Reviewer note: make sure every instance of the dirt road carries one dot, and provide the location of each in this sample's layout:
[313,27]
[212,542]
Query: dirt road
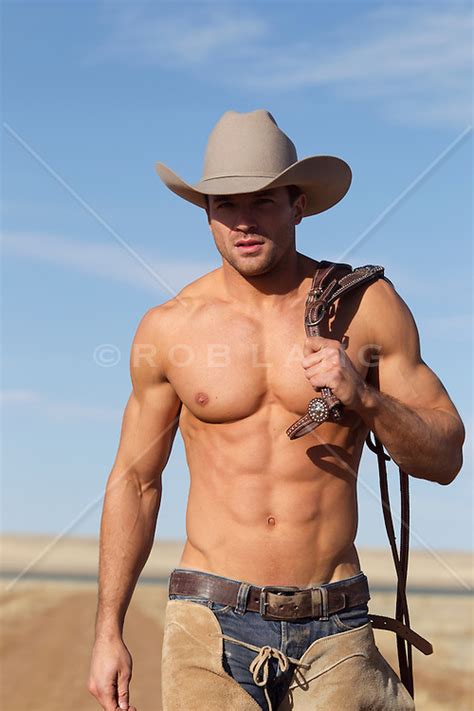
[46,646]
[47,634]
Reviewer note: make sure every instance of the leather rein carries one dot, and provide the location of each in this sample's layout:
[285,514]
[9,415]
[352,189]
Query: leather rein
[332,280]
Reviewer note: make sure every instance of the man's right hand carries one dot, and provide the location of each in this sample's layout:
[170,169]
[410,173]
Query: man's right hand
[131,504]
[110,674]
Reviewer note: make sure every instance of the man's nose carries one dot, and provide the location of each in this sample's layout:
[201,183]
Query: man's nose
[245,221]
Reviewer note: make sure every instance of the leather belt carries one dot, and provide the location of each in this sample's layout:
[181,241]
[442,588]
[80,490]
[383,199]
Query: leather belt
[276,603]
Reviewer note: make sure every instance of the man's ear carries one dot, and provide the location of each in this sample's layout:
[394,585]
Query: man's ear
[207,211]
[299,207]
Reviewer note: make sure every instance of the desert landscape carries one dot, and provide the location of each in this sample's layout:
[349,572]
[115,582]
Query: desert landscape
[48,604]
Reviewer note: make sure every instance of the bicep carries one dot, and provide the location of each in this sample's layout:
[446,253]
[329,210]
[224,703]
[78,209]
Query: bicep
[412,383]
[400,370]
[150,419]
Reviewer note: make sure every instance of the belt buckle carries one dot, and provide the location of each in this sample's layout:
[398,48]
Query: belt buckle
[263,604]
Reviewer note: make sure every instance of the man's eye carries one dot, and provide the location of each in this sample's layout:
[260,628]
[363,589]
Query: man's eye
[268,200]
[224,204]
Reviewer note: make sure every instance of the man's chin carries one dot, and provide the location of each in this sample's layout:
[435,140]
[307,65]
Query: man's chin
[252,268]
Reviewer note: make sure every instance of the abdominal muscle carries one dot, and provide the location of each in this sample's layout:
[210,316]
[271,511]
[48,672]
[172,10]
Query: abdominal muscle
[268,513]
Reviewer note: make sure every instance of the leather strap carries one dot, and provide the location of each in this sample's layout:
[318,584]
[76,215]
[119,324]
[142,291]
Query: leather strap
[388,623]
[278,603]
[400,560]
[331,280]
[326,287]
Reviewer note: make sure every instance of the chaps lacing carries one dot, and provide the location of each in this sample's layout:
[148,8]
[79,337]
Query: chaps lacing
[259,666]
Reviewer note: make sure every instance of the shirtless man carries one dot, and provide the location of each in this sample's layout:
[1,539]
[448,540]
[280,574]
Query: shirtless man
[227,361]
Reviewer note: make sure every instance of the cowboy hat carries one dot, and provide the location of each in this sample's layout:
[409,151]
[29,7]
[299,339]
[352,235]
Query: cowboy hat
[247,152]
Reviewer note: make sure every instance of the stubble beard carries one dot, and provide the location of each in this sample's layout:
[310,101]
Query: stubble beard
[262,263]
[253,265]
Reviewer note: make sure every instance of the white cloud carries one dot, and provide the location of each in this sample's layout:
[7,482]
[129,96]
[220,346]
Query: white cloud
[399,46]
[36,401]
[70,410]
[184,36]
[414,62]
[108,261]
[19,397]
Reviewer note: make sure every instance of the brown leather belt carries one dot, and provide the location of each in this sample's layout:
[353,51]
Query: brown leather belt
[275,603]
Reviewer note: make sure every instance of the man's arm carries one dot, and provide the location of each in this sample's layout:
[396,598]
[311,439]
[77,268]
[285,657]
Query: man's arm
[131,505]
[402,401]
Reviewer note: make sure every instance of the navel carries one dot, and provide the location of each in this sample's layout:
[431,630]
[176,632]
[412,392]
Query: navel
[202,399]
[271,521]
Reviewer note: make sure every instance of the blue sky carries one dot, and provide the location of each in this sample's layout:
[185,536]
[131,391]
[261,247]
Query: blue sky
[94,93]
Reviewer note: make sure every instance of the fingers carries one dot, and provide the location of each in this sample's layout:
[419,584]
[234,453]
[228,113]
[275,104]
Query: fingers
[124,678]
[111,698]
[106,697]
[313,344]
[122,694]
[322,370]
[110,674]
[312,359]
[108,700]
[328,357]
[317,347]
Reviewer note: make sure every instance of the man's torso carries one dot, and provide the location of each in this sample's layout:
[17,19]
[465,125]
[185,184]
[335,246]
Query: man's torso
[262,507]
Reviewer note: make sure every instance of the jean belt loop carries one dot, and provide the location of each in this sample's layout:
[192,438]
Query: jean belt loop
[242,597]
[324,603]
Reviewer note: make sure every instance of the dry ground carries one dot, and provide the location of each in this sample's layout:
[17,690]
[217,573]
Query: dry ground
[47,635]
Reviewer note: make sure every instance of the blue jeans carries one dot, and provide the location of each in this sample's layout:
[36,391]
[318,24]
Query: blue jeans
[291,638]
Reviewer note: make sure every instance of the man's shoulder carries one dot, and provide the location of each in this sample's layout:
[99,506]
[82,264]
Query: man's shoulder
[204,288]
[379,297]
[183,304]
[387,315]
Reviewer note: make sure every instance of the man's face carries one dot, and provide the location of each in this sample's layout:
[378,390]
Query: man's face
[265,219]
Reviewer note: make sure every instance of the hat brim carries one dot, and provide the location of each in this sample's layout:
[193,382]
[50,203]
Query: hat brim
[324,180]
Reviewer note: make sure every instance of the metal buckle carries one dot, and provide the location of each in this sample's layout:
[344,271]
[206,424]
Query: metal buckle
[316,602]
[323,309]
[313,295]
[263,604]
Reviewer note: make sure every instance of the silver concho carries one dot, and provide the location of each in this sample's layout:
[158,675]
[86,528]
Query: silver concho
[318,409]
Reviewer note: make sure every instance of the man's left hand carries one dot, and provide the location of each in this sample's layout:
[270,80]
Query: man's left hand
[327,364]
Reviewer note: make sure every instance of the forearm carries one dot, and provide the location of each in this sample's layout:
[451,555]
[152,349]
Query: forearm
[127,532]
[425,443]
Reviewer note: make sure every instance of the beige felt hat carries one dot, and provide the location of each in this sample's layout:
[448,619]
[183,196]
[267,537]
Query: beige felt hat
[247,152]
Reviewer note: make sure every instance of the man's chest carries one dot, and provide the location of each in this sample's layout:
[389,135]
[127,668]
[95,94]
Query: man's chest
[226,366]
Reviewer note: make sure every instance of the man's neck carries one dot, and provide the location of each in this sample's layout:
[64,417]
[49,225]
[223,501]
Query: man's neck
[268,290]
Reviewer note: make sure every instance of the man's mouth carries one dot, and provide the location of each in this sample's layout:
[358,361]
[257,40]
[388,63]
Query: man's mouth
[249,245]
[248,242]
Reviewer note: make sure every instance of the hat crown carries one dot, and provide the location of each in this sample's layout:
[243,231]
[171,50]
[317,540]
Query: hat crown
[247,144]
